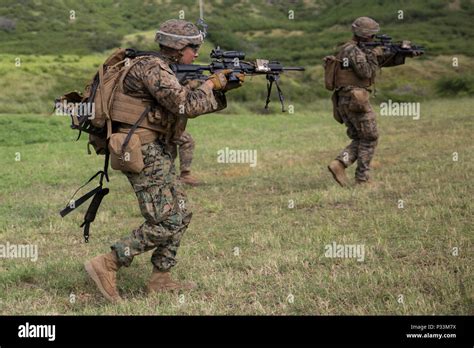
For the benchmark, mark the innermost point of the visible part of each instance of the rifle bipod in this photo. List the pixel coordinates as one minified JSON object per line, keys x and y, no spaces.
{"x":270,"y":80}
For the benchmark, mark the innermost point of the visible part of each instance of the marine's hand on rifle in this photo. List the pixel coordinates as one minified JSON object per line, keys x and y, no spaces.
{"x":219,"y":79}
{"x":415,"y":51}
{"x":408,"y":46}
{"x":378,"y":51}
{"x":228,"y":70}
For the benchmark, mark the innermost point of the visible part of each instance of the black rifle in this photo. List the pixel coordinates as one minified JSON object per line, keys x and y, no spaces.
{"x":234,"y":60}
{"x":400,"y":50}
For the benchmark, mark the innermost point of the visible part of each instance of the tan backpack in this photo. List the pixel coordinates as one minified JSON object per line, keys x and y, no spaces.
{"x":331,"y":69}
{"x":330,"y":66}
{"x":90,"y":112}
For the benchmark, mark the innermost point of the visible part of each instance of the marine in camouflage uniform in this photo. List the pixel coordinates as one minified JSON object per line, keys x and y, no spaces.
{"x":184,"y":146}
{"x":354,"y":76}
{"x":162,"y":201}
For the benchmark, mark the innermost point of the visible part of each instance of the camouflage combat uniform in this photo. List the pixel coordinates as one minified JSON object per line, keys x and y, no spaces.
{"x":355,"y":72}
{"x":162,"y":201}
{"x":361,"y":126}
{"x":185,"y":147}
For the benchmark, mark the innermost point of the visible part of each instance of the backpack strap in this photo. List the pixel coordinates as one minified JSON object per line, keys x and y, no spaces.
{"x":134,"y":127}
{"x":92,"y":210}
{"x":133,"y":53}
{"x":127,"y":70}
{"x":98,"y":193}
{"x":102,"y":102}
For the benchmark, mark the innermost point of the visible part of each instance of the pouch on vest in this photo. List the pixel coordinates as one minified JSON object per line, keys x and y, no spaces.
{"x":125,"y":148}
{"x":359,"y":100}
{"x":330,"y":63}
{"x":126,"y":157}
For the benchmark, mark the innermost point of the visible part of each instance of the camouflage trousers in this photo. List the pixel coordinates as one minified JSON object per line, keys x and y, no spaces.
{"x":163,"y":204}
{"x":362,"y":129}
{"x":186,"y":151}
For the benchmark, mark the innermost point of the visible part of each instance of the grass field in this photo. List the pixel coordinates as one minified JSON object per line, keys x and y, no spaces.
{"x":411,"y":263}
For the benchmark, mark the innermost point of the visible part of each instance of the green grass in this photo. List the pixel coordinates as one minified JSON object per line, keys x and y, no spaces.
{"x":408,"y":251}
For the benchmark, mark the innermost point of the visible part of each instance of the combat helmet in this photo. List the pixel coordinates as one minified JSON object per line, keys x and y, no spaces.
{"x":177,"y":34}
{"x":365,"y":27}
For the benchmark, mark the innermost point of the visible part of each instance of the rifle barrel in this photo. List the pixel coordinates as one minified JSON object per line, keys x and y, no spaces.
{"x":294,"y":68}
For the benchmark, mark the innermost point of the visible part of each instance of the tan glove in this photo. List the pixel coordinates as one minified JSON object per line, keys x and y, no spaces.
{"x":407,"y":44}
{"x":219,"y":79}
{"x":378,"y":51}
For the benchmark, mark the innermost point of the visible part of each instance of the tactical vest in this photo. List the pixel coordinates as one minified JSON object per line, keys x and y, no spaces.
{"x":127,"y":110}
{"x":347,"y":77}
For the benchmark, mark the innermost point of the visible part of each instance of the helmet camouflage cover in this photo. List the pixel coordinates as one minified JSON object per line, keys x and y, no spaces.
{"x":365,"y":27}
{"x":177,"y":34}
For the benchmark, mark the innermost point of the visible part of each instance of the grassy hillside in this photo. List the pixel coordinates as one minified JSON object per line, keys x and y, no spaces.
{"x":32,"y":87}
{"x":46,"y":27}
{"x":281,"y":266}
{"x":58,"y":54}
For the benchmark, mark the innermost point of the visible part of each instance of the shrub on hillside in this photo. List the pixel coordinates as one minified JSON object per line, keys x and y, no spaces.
{"x":7,"y":24}
{"x":455,"y":85}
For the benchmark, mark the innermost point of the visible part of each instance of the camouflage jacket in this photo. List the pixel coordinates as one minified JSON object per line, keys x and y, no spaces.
{"x":153,"y":78}
{"x":363,"y":62}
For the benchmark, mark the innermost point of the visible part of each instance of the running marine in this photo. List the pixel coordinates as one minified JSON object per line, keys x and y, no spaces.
{"x":162,"y":201}
{"x":351,"y":77}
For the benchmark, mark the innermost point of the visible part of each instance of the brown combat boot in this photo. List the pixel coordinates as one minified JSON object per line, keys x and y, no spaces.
{"x":103,"y":271}
{"x":188,"y":179}
{"x":162,"y":281}
{"x":338,"y":172}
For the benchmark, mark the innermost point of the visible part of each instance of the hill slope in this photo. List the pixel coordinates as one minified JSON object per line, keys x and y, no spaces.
{"x":61,"y":43}
{"x":302,"y":36}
